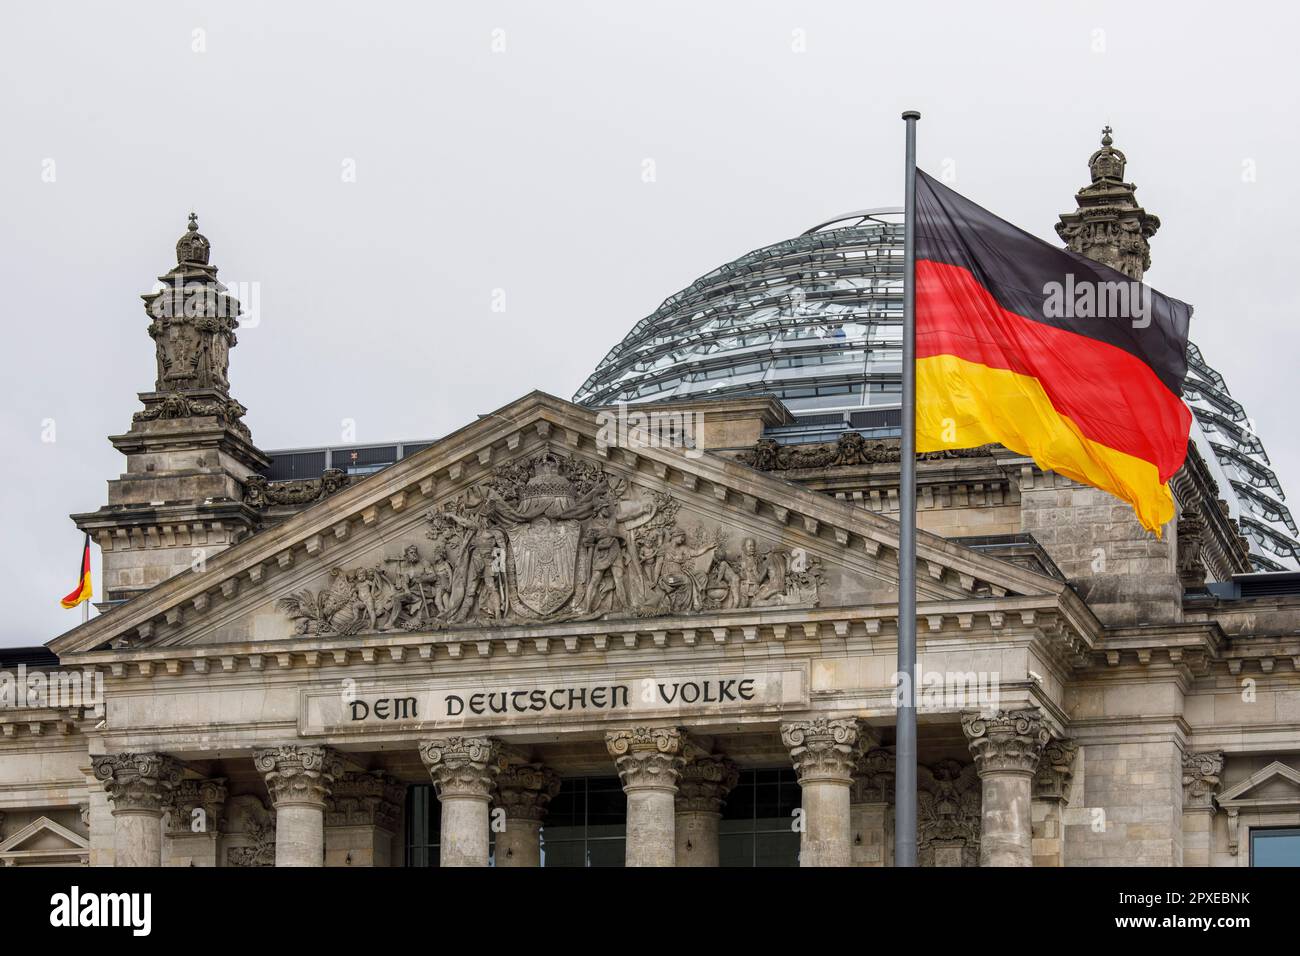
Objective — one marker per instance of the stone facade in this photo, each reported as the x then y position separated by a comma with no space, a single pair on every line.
520,604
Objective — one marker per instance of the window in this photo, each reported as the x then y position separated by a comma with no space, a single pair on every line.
1275,846
586,823
423,825
757,827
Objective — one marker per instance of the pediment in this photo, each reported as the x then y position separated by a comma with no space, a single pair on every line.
528,517
1274,785
43,836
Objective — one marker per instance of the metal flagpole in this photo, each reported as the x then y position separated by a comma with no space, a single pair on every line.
905,751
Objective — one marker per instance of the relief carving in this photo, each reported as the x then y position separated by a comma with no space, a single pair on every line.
554,539
259,492
948,807
849,449
250,832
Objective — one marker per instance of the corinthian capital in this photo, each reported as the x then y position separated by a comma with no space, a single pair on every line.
140,782
827,748
1201,774
524,791
1055,769
297,774
462,766
365,799
647,757
873,777
209,796
704,784
1007,741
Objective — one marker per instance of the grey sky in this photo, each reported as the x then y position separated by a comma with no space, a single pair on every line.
522,170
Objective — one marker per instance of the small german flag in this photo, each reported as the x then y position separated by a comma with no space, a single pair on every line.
84,591
1047,352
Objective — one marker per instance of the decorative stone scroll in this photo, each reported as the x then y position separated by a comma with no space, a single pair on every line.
1201,779
524,791
704,784
365,799
647,757
873,777
553,539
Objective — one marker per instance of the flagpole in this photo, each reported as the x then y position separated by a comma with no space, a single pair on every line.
905,733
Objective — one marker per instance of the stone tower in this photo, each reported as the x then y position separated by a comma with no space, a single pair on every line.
1109,226
188,452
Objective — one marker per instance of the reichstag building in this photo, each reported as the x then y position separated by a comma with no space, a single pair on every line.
656,625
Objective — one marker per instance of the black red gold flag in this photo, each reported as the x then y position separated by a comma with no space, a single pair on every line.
83,591
1048,353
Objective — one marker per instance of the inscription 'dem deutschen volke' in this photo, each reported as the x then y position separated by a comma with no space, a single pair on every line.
541,701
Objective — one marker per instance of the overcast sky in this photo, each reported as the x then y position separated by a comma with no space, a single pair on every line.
504,146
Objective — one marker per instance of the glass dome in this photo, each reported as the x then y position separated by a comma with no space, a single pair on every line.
815,320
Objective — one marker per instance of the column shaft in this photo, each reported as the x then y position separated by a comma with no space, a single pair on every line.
463,770
1006,746
825,752
649,762
299,780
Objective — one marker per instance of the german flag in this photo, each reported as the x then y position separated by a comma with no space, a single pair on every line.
83,591
1046,352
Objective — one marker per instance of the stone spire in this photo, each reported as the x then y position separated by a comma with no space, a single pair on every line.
189,455
1109,225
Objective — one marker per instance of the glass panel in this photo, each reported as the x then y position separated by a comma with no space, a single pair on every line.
1275,847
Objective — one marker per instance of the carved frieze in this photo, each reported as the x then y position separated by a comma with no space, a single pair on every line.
249,835
554,539
261,493
226,411
849,449
948,808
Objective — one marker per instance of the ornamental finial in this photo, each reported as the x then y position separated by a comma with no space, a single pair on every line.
1105,136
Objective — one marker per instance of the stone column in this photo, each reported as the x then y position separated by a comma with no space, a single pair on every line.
824,752
195,822
870,800
649,762
702,790
361,816
1201,779
139,785
1006,746
1051,794
523,792
463,770
299,779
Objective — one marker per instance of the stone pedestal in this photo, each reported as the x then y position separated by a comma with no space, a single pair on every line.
649,762
463,770
361,816
1006,746
702,789
825,752
870,800
299,780
523,793
195,823
1051,794
139,786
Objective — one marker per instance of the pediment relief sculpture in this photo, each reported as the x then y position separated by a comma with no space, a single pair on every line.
551,539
